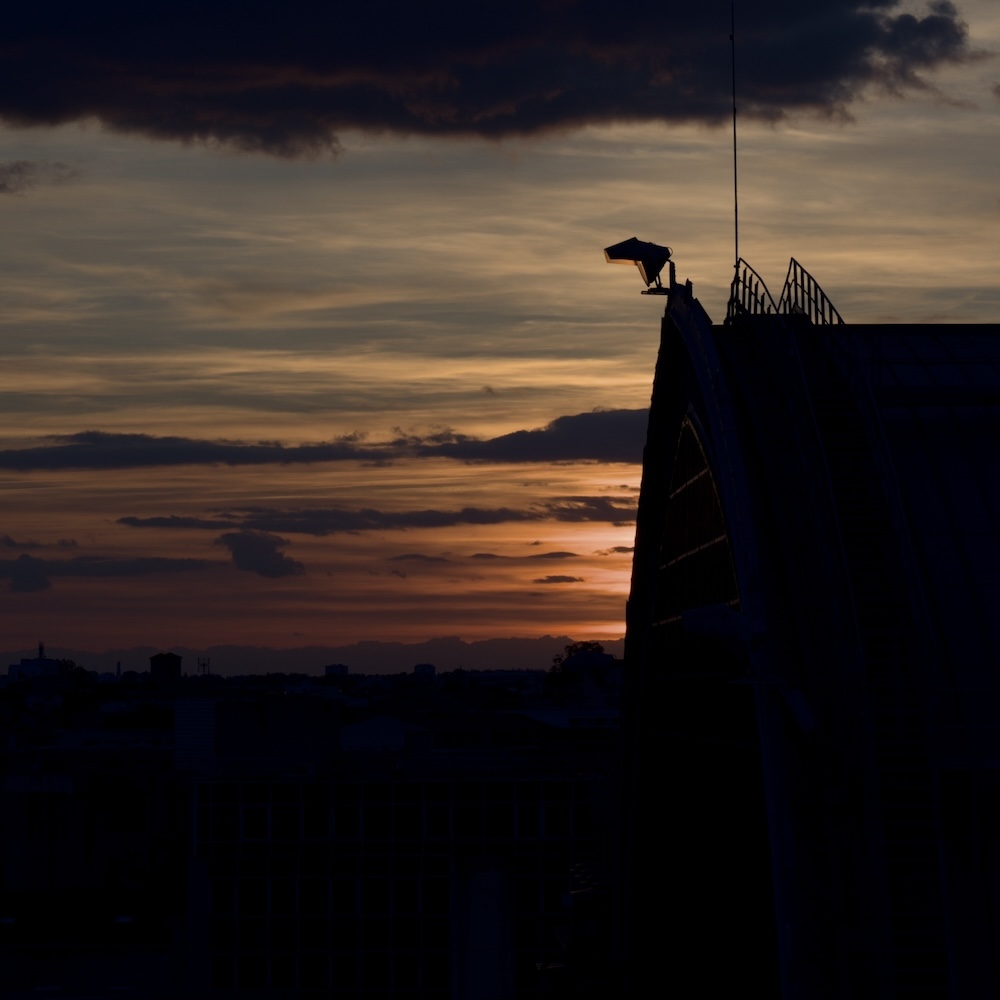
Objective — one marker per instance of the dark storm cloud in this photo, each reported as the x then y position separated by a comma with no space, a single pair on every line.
29,573
18,176
287,77
100,450
260,552
598,436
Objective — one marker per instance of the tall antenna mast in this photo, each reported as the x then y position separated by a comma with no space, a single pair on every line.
736,199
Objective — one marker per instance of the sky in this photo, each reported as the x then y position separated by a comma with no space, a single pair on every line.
307,333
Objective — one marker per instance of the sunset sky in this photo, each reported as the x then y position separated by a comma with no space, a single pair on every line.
307,333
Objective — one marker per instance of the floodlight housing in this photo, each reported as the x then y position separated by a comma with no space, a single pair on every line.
650,258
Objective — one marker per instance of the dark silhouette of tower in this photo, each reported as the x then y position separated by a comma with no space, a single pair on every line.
813,747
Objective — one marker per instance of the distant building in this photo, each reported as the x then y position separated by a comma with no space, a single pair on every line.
812,697
37,666
336,670
165,668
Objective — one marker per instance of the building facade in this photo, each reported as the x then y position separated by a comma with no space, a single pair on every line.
812,651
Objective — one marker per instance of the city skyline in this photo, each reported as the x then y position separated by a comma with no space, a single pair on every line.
372,379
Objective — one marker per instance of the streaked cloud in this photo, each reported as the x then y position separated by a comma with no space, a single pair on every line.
535,555
334,520
417,557
592,509
29,573
28,545
177,521
18,176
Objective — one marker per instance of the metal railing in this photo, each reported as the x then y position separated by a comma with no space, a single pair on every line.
748,295
803,295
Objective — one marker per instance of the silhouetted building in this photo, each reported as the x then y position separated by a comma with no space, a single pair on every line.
165,668
431,881
217,838
91,853
813,758
35,666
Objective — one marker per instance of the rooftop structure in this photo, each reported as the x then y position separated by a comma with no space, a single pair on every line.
812,652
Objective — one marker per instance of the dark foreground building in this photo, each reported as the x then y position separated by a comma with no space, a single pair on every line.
269,838
814,738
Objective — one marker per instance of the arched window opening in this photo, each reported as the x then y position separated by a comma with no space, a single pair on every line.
695,567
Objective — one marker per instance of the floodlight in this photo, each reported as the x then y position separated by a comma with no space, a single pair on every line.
648,257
